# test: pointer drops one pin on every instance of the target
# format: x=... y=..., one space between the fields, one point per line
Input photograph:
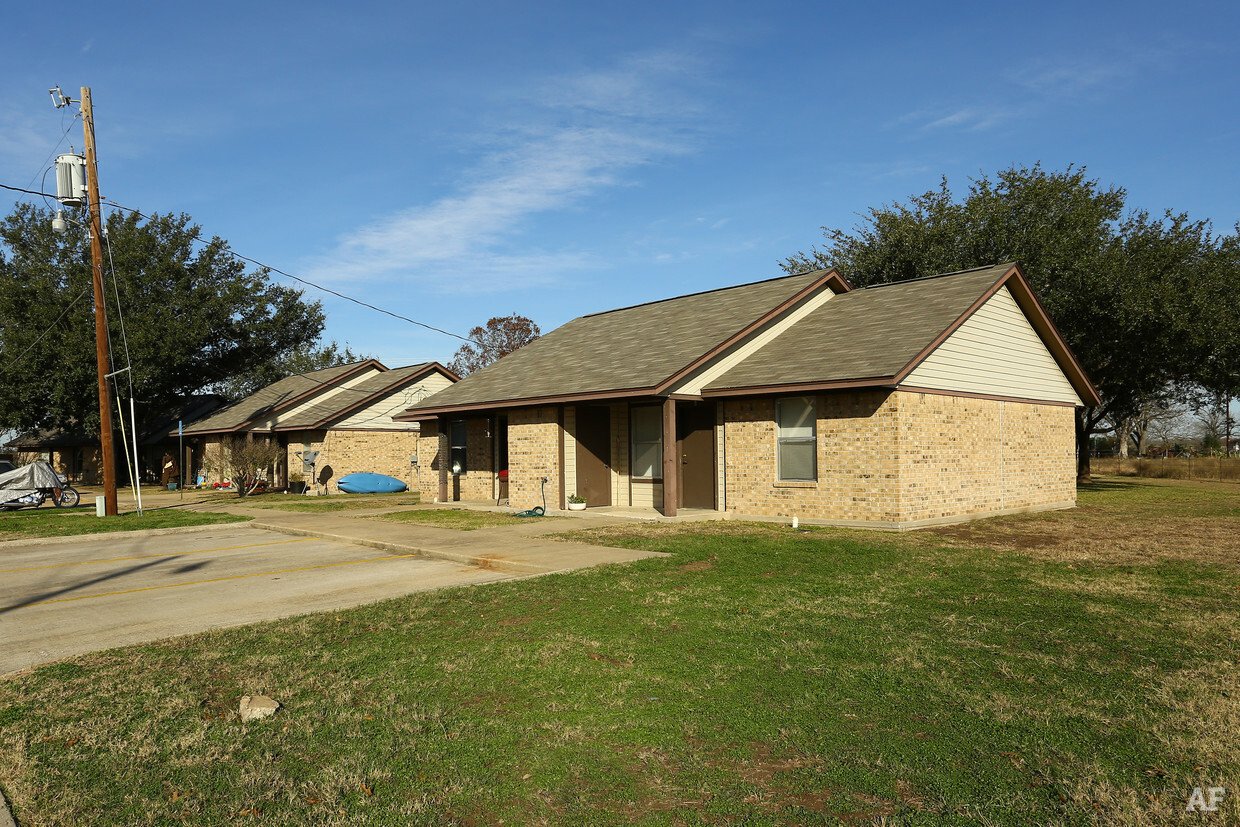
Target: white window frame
x=782 y=440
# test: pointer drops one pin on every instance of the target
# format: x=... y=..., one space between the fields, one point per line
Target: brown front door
x=594 y=454
x=695 y=439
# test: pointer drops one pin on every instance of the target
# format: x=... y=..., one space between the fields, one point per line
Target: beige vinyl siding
x=718 y=367
x=998 y=353
x=379 y=414
x=721 y=459
x=328 y=393
x=570 y=450
x=620 y=454
x=647 y=494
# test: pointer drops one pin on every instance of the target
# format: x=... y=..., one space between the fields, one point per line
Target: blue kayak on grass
x=364 y=482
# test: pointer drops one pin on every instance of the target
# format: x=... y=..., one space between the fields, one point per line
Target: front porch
x=608 y=452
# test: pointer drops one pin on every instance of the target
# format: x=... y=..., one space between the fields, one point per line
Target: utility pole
x=94 y=216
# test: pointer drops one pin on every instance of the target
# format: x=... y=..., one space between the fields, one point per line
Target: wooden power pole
x=94 y=215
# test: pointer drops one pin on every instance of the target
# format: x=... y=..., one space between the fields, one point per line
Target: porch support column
x=671 y=460
x=445 y=451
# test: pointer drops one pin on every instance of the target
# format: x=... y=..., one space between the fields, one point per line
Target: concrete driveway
x=77 y=596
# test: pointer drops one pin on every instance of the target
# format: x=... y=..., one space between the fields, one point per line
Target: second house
x=341 y=416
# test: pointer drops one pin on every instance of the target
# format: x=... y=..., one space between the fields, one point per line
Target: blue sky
x=454 y=161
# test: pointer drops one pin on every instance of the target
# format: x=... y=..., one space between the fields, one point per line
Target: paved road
x=96 y=593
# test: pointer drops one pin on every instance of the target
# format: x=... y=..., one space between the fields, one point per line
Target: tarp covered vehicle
x=31 y=485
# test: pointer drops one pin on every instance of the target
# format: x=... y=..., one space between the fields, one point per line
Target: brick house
x=75 y=455
x=345 y=413
x=896 y=406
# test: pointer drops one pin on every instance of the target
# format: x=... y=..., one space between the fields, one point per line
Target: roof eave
x=433 y=412
x=1015 y=281
x=801 y=387
x=431 y=367
x=292 y=402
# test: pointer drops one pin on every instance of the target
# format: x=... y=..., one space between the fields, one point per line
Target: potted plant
x=576 y=503
x=296 y=483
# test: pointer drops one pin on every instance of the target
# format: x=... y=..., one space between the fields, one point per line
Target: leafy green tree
x=1216 y=334
x=194 y=317
x=1118 y=285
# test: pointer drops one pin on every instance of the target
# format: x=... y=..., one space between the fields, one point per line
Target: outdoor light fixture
x=59 y=224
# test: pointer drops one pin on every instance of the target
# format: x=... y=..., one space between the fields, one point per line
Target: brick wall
x=85 y=468
x=211 y=447
x=856 y=454
x=477 y=484
x=428 y=460
x=898 y=458
x=533 y=453
x=962 y=456
x=351 y=451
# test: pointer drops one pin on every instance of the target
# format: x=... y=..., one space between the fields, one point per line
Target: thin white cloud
x=1070 y=78
x=591 y=130
x=973 y=118
x=1028 y=88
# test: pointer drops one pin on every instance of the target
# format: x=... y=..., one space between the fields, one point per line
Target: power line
x=43 y=167
x=309 y=283
x=284 y=273
x=49 y=328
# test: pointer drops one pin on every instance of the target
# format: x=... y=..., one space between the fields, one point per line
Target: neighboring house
x=75 y=455
x=901 y=405
x=161 y=438
x=344 y=413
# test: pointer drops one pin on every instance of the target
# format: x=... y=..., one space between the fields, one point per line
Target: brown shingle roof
x=863 y=334
x=869 y=337
x=633 y=348
x=277 y=396
x=349 y=399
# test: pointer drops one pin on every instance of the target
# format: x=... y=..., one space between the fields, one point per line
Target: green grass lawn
x=66 y=522
x=316 y=505
x=461 y=519
x=1003 y=673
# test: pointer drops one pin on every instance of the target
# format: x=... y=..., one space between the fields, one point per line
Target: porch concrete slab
x=521 y=548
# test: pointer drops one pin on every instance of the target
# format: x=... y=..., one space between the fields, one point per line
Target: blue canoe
x=365 y=482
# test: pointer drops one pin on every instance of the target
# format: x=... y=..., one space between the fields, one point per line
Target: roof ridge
x=334 y=367
x=943 y=275
x=703 y=293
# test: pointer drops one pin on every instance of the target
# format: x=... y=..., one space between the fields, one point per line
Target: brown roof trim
x=1015 y=281
x=802 y=387
x=430 y=367
x=954 y=326
x=993 y=397
x=293 y=402
x=422 y=414
x=1043 y=324
x=831 y=278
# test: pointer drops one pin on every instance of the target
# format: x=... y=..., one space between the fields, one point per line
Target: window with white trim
x=646 y=426
x=796 y=440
